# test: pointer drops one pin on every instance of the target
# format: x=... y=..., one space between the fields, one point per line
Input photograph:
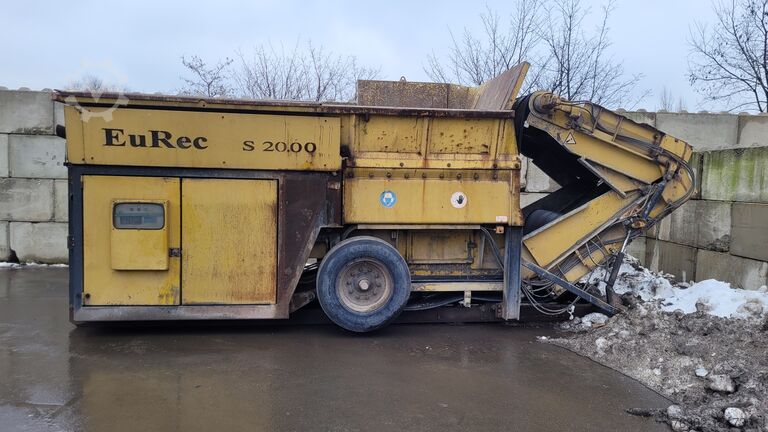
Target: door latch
x=174 y=252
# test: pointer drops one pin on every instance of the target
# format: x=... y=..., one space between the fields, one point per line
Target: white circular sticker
x=458 y=200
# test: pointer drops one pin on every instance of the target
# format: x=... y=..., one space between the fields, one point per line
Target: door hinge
x=70 y=242
x=174 y=252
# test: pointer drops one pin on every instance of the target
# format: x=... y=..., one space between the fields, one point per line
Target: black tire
x=383 y=261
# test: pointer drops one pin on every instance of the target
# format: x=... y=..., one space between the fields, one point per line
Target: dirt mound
x=714 y=368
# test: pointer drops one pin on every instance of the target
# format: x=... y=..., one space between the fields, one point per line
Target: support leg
x=513 y=244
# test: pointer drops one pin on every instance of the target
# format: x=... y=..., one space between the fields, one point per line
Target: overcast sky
x=139 y=43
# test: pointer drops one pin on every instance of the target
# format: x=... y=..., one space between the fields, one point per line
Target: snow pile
x=711 y=296
x=633 y=278
x=717 y=298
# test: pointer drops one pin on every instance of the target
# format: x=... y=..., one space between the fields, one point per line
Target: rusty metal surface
x=142 y=100
x=500 y=92
x=307 y=204
x=112 y=97
x=414 y=94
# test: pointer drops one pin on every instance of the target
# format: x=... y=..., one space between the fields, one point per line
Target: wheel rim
x=364 y=285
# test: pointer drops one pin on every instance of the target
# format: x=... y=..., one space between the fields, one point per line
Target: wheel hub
x=364 y=285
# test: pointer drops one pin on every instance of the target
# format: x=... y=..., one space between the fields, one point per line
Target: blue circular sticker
x=388 y=198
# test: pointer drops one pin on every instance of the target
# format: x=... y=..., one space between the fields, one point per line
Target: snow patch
x=10 y=265
x=717 y=298
x=711 y=296
x=635 y=279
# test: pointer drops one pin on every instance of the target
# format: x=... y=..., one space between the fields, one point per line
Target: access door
x=155 y=241
x=130 y=228
x=229 y=241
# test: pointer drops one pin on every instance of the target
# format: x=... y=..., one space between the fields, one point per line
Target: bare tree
x=551 y=35
x=333 y=77
x=475 y=59
x=270 y=74
x=579 y=66
x=305 y=72
x=729 y=62
x=208 y=81
x=93 y=84
x=667 y=101
x=302 y=72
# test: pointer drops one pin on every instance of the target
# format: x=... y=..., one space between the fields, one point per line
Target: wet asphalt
x=428 y=377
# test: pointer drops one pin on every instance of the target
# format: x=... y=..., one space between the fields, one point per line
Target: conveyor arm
x=617 y=178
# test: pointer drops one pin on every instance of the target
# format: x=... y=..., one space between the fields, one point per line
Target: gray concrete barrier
x=33 y=192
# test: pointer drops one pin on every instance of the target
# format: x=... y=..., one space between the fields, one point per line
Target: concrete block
x=413 y=94
x=753 y=131
x=60 y=200
x=37 y=156
x=735 y=175
x=637 y=249
x=40 y=242
x=26 y=199
x=538 y=181
x=645 y=117
x=749 y=230
x=696 y=162
x=3 y=155
x=527 y=198
x=26 y=112
x=672 y=258
x=5 y=244
x=701 y=224
x=702 y=131
x=660 y=230
x=58 y=114
x=740 y=272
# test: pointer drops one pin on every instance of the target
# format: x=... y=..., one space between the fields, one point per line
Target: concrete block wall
x=33 y=186
x=723 y=232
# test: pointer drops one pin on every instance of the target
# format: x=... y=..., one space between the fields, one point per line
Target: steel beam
x=605 y=307
x=510 y=309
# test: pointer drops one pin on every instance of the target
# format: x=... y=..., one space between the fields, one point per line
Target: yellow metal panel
x=229 y=247
x=140 y=249
x=546 y=244
x=464 y=136
x=75 y=151
x=677 y=146
x=145 y=137
x=616 y=179
x=500 y=92
x=425 y=201
x=385 y=134
x=380 y=141
x=598 y=147
x=457 y=286
x=439 y=246
x=104 y=285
